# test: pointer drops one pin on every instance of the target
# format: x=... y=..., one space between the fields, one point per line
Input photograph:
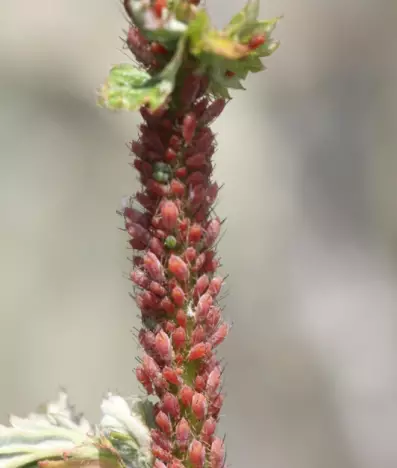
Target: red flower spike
x=170 y=405
x=182 y=434
x=163 y=422
x=190 y=254
x=169 y=214
x=217 y=456
x=256 y=41
x=163 y=346
x=195 y=233
x=177 y=188
x=178 y=268
x=189 y=127
x=199 y=405
x=208 y=430
x=186 y=395
x=161 y=453
x=181 y=318
x=199 y=351
x=197 y=454
x=218 y=337
x=215 y=286
x=171 y=376
x=214 y=380
x=178 y=296
x=153 y=267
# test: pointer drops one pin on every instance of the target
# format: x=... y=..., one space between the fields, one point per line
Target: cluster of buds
x=177 y=289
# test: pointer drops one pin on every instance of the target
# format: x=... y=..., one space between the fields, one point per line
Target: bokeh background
x=308 y=158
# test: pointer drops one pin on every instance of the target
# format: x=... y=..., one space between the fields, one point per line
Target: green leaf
x=129 y=88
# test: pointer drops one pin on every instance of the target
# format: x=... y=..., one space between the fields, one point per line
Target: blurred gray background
x=308 y=156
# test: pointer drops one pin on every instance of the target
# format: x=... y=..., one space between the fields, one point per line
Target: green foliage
x=224 y=55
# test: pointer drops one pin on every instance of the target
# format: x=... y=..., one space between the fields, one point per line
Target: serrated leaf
x=129 y=88
x=247 y=16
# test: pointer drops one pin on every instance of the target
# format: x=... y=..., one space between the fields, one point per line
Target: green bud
x=170 y=242
x=161 y=177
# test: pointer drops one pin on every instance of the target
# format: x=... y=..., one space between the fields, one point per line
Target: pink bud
x=217 y=456
x=160 y=453
x=163 y=346
x=213 y=230
x=163 y=422
x=161 y=440
x=178 y=296
x=197 y=454
x=144 y=380
x=171 y=375
x=196 y=161
x=167 y=305
x=157 y=289
x=199 y=262
x=213 y=317
x=178 y=268
x=156 y=188
x=189 y=127
x=198 y=335
x=196 y=178
x=156 y=246
x=159 y=464
x=203 y=307
x=153 y=267
x=186 y=395
x=214 y=380
x=199 y=351
x=139 y=278
x=213 y=111
x=216 y=406
x=150 y=366
x=201 y=285
x=179 y=338
x=169 y=214
x=199 y=405
x=177 y=188
x=181 y=318
x=218 y=337
x=146 y=339
x=208 y=430
x=182 y=434
x=170 y=405
x=199 y=383
x=190 y=254
x=215 y=286
x=195 y=233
